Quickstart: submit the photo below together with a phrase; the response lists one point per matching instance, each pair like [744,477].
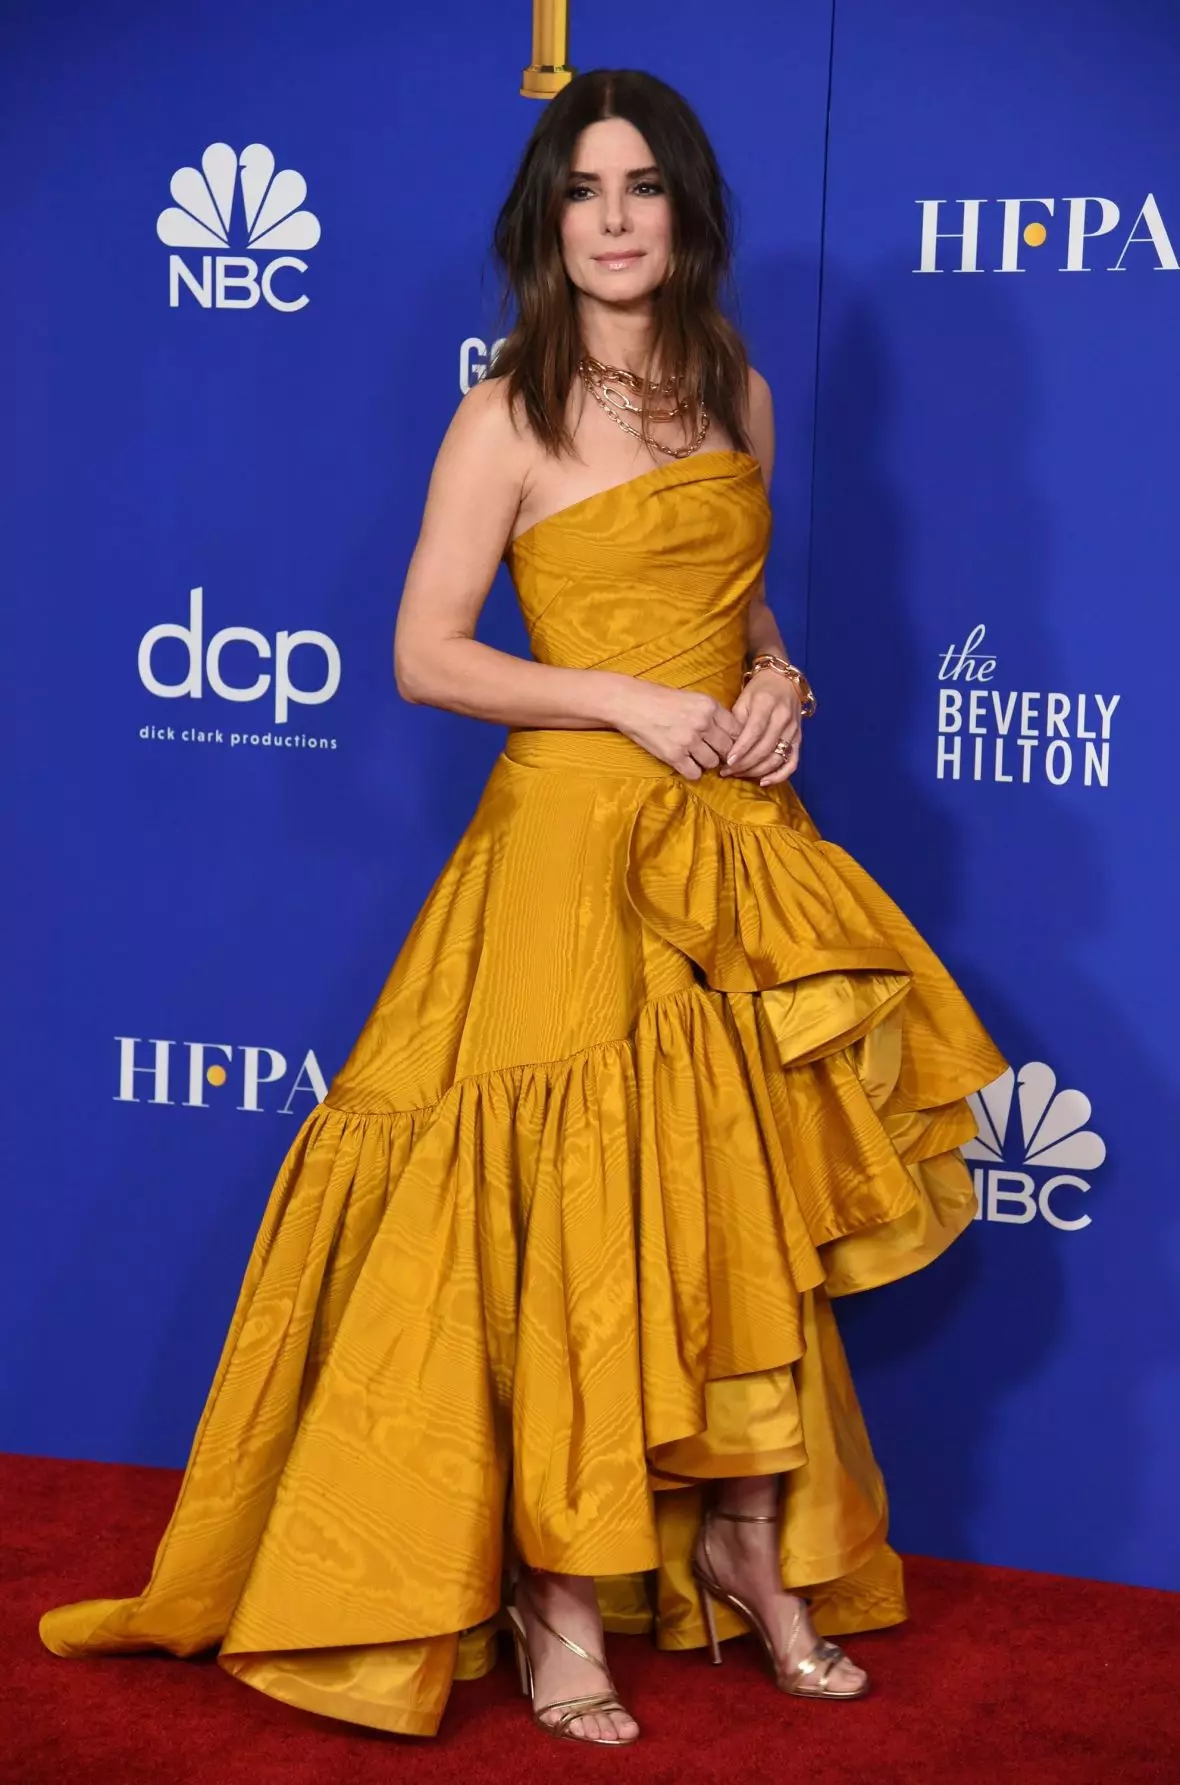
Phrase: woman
[656,1074]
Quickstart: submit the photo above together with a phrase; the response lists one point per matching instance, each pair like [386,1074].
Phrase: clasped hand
[766,710]
[692,732]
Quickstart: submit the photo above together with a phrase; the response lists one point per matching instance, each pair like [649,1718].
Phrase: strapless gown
[657,1073]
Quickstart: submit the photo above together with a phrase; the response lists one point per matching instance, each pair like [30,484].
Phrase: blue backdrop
[222,821]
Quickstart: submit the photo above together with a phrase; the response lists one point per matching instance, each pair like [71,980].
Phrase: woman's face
[616,224]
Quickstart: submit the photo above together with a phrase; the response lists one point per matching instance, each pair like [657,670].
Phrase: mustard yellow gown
[656,1074]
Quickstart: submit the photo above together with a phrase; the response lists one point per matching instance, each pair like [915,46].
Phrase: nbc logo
[203,217]
[1017,1179]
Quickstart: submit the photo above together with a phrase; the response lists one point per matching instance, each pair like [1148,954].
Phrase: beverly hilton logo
[1020,1168]
[1015,736]
[272,222]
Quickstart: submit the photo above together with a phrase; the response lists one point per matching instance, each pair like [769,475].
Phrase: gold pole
[548,72]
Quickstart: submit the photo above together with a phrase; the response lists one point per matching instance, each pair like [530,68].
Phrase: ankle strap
[574,1647]
[744,1518]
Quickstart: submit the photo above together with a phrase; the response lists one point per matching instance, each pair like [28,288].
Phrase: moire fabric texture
[657,1074]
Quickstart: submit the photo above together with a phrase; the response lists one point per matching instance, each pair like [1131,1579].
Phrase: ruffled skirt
[656,1074]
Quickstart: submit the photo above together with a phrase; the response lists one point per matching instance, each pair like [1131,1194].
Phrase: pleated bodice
[651,577]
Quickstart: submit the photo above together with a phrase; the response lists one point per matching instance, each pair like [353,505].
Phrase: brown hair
[539,357]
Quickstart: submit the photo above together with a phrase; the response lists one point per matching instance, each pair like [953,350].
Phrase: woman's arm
[471,504]
[762,628]
[768,706]
[762,633]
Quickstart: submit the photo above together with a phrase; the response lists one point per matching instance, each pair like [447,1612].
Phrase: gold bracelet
[784,667]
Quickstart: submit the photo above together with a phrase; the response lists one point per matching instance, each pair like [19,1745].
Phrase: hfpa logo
[1053,1134]
[203,217]
[1079,220]
[178,1072]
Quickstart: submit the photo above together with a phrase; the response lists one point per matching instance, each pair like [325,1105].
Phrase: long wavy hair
[690,335]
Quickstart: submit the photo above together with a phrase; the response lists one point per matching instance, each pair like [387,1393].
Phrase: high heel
[570,1708]
[823,1657]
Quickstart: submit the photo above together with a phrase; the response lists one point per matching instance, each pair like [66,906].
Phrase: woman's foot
[743,1558]
[568,1602]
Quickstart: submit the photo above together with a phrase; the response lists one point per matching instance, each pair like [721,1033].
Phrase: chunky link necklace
[608,385]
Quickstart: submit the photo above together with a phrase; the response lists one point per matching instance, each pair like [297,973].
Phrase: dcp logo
[204,663]
[272,219]
[1021,1176]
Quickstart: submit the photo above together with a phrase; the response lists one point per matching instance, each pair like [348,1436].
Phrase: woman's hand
[767,709]
[690,732]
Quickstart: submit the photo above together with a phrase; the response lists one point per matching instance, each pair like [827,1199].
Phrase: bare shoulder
[760,399]
[760,421]
[484,432]
[479,469]
[471,504]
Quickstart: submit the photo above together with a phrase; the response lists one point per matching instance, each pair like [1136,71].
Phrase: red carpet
[998,1676]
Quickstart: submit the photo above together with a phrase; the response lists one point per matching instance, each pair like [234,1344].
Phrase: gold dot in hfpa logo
[272,219]
[260,1079]
[970,240]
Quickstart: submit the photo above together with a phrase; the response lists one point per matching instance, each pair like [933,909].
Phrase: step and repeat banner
[993,628]
[248,281]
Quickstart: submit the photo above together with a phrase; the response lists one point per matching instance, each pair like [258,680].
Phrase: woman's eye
[640,186]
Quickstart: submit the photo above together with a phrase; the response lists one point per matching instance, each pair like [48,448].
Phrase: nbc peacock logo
[269,219]
[1020,1168]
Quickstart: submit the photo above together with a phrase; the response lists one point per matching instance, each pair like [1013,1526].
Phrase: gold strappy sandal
[818,1664]
[570,1708]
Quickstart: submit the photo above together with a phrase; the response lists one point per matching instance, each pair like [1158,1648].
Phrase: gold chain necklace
[604,382]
